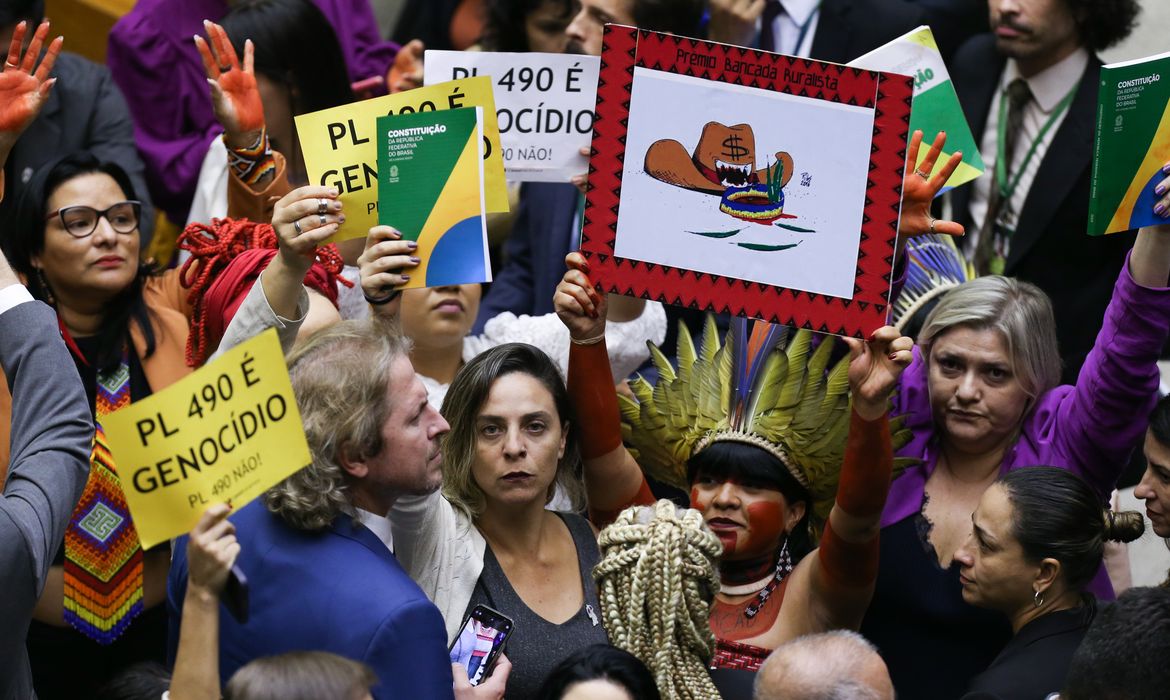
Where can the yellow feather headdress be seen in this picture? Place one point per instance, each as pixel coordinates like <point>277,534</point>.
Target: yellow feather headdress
<point>784,400</point>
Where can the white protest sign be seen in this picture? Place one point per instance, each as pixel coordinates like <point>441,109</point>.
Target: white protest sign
<point>544,106</point>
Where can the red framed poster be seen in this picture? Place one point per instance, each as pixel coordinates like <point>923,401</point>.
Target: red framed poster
<point>745,182</point>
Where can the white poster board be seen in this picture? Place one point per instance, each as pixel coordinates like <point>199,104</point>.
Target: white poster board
<point>544,106</point>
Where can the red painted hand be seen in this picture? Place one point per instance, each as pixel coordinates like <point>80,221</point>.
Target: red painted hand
<point>918,190</point>
<point>23,90</point>
<point>234,95</point>
<point>407,71</point>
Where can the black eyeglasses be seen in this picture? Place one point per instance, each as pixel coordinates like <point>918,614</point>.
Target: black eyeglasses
<point>80,221</point>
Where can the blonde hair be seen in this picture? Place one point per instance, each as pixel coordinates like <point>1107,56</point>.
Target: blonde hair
<point>1022,314</point>
<point>339,377</point>
<point>656,579</point>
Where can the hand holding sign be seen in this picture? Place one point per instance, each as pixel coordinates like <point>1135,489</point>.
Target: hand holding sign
<point>407,71</point>
<point>234,94</point>
<point>211,551</point>
<point>226,432</point>
<point>304,219</point>
<point>23,91</point>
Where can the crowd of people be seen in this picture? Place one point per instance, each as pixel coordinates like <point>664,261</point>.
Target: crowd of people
<point>660,503</point>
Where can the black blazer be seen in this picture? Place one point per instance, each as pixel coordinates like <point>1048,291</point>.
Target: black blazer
<point>847,29</point>
<point>1050,247</point>
<point>1035,662</point>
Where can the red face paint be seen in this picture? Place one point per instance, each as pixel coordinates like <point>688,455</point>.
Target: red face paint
<point>766,525</point>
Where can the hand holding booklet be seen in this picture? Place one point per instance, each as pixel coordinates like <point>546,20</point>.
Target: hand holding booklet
<point>430,188</point>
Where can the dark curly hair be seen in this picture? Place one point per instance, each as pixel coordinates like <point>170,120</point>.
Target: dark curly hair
<point>504,28</point>
<point>1103,23</point>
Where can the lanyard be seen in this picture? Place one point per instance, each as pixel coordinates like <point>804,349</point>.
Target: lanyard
<point>1006,189</point>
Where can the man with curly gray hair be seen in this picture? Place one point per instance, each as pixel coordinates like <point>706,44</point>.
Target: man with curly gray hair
<point>320,580</point>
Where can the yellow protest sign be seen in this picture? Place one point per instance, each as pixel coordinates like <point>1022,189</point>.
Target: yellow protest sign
<point>225,433</point>
<point>341,150</point>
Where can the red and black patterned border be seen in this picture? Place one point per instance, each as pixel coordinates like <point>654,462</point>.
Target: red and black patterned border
<point>627,47</point>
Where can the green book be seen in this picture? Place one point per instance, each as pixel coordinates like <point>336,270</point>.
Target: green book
<point>430,188</point>
<point>936,106</point>
<point>1132,144</point>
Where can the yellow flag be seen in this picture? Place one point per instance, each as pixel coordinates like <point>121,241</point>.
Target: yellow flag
<point>341,148</point>
<point>225,433</point>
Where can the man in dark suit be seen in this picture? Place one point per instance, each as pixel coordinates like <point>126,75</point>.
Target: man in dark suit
<point>1029,91</point>
<point>318,578</point>
<point>839,30</point>
<point>548,224</point>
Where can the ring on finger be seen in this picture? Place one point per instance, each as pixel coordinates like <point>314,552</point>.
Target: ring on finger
<point>224,69</point>
<point>297,226</point>
<point>9,64</point>
<point>924,176</point>
<point>322,207</point>
<point>322,217</point>
<point>932,220</point>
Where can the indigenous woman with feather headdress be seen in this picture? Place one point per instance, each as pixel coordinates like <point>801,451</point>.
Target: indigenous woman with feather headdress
<point>788,461</point>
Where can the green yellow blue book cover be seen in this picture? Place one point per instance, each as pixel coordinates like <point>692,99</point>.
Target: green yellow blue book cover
<point>936,106</point>
<point>1132,144</point>
<point>430,188</point>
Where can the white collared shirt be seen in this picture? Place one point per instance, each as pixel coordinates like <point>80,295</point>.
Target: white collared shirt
<point>379,525</point>
<point>13,295</point>
<point>1049,87</point>
<point>787,25</point>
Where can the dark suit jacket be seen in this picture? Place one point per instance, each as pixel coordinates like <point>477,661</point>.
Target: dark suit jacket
<point>534,255</point>
<point>1035,662</point>
<point>84,112</point>
<point>847,29</point>
<point>1050,247</point>
<point>340,591</point>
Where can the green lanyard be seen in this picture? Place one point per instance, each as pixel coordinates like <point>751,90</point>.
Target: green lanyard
<point>1007,188</point>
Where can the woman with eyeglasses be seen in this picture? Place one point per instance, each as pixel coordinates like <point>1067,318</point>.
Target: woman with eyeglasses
<point>73,237</point>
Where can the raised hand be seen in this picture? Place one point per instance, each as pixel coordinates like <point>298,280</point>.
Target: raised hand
<point>407,71</point>
<point>303,219</point>
<point>211,550</point>
<point>874,368</point>
<point>577,303</point>
<point>24,86</point>
<point>234,95</point>
<point>919,189</point>
<point>386,263</point>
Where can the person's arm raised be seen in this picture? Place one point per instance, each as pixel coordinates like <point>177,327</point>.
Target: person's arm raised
<point>24,86</point>
<point>303,219</point>
<point>384,265</point>
<point>845,568</point>
<point>613,479</point>
<point>211,550</point>
<point>920,187</point>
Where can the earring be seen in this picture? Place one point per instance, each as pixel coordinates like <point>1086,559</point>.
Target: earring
<point>1038,599</point>
<point>45,289</point>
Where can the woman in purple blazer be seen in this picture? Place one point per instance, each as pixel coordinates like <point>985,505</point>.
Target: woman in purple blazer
<point>981,398</point>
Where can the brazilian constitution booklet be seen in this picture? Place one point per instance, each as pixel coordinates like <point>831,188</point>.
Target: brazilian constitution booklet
<point>936,106</point>
<point>1132,144</point>
<point>430,188</point>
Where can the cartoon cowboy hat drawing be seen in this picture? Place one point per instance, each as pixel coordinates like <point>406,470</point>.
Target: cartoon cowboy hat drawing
<point>724,157</point>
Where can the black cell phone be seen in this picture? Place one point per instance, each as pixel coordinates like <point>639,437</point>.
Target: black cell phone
<point>480,641</point>
<point>235,595</point>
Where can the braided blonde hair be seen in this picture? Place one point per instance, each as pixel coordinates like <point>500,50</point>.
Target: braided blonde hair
<point>656,579</point>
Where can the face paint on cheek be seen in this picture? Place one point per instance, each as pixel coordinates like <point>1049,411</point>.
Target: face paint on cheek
<point>766,525</point>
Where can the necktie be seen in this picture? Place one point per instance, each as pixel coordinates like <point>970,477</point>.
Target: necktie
<point>988,258</point>
<point>772,10</point>
<point>103,557</point>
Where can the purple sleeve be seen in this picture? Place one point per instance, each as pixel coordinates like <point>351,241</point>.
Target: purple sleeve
<point>166,90</point>
<point>1104,417</point>
<point>367,54</point>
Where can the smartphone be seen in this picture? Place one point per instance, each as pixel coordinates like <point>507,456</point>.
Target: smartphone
<point>480,641</point>
<point>235,595</point>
